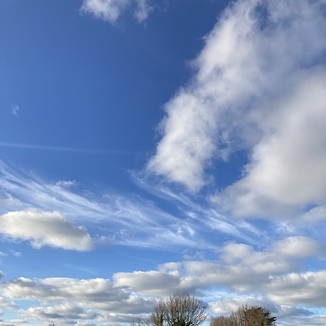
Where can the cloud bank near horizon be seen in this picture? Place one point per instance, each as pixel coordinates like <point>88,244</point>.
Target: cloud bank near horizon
<point>260,88</point>
<point>240,274</point>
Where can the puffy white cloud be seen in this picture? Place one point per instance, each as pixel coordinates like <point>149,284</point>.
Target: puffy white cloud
<point>240,268</point>
<point>55,289</point>
<point>149,283</point>
<point>288,165</point>
<point>62,311</point>
<point>259,87</point>
<point>75,299</point>
<point>111,10</point>
<point>307,289</point>
<point>299,247</point>
<point>45,229</point>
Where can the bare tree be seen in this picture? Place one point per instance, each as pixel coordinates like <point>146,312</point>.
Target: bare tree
<point>179,310</point>
<point>246,316</point>
<point>223,321</point>
<point>257,316</point>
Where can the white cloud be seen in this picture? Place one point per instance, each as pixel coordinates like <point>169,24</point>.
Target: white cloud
<point>259,87</point>
<point>45,229</point>
<point>288,165</point>
<point>65,183</point>
<point>149,283</point>
<point>307,289</point>
<point>6,304</point>
<point>299,247</point>
<point>270,277</point>
<point>240,268</point>
<point>75,299</point>
<point>62,311</point>
<point>111,10</point>
<point>226,306</point>
<point>143,10</point>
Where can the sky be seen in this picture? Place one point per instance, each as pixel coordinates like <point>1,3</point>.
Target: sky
<point>154,147</point>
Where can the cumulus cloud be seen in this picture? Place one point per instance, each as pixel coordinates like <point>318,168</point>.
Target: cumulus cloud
<point>149,283</point>
<point>240,268</point>
<point>6,304</point>
<point>307,289</point>
<point>75,299</point>
<point>45,229</point>
<point>111,10</point>
<point>240,274</point>
<point>260,88</point>
<point>62,311</point>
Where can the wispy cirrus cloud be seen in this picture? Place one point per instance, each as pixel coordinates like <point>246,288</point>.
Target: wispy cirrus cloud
<point>259,88</point>
<point>127,220</point>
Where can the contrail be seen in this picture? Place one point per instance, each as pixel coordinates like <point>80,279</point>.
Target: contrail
<point>65,149</point>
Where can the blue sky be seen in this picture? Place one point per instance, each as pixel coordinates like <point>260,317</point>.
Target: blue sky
<point>155,147</point>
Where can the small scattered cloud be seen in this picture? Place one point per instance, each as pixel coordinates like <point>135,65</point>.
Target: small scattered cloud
<point>16,253</point>
<point>111,10</point>
<point>15,110</point>
<point>44,229</point>
<point>65,183</point>
<point>143,10</point>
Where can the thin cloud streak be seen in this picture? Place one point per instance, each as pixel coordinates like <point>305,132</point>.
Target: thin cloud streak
<point>65,149</point>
